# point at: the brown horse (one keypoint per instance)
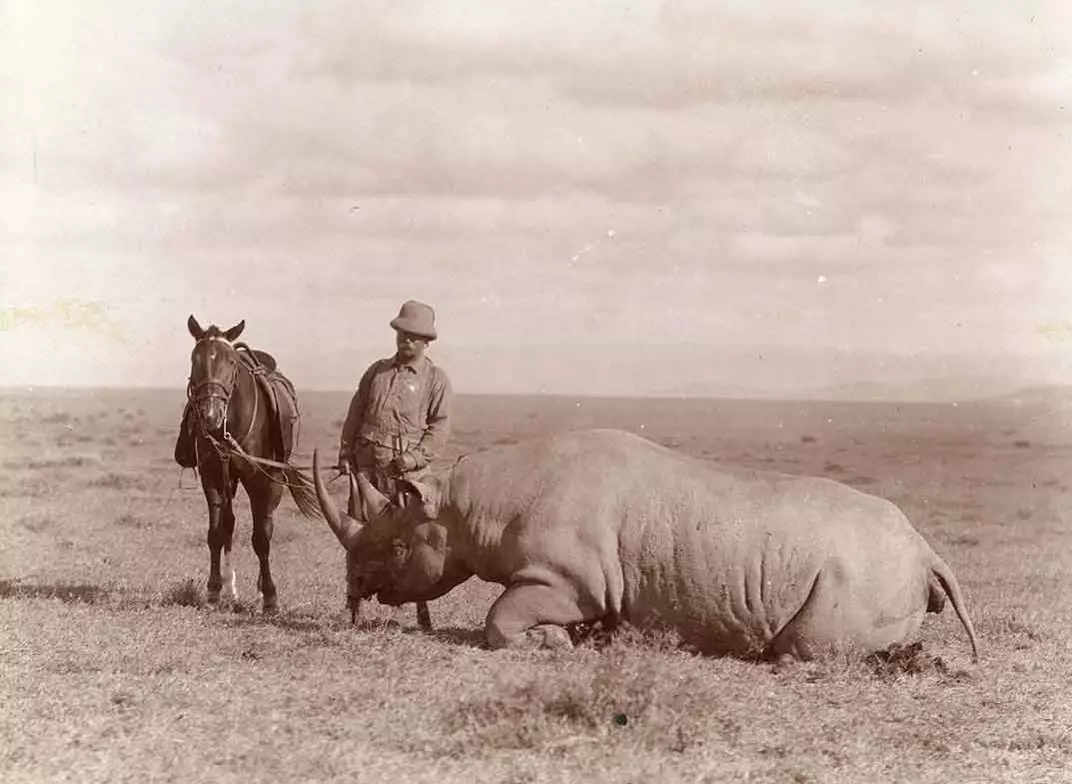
(240, 414)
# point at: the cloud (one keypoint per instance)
(676, 54)
(266, 160)
(421, 103)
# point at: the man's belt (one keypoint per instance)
(387, 440)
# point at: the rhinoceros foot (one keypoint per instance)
(542, 636)
(530, 615)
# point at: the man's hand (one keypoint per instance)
(403, 463)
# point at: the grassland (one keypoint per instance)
(111, 670)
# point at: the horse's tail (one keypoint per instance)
(302, 491)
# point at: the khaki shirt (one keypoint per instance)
(406, 404)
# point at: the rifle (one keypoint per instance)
(400, 496)
(351, 504)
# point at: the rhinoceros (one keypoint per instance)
(604, 526)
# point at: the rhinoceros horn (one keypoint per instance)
(345, 527)
(373, 502)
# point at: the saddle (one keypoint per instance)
(278, 389)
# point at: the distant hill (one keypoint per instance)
(947, 389)
(943, 389)
(1050, 397)
(1043, 413)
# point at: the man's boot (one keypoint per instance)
(185, 449)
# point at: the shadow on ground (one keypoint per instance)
(468, 638)
(15, 589)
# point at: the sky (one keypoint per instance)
(614, 198)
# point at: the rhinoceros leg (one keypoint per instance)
(424, 618)
(833, 618)
(531, 616)
(798, 639)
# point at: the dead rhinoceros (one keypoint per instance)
(605, 526)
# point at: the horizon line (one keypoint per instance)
(30, 388)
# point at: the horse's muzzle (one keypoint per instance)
(212, 412)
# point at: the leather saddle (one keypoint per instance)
(283, 400)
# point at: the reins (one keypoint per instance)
(236, 448)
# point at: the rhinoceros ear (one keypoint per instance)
(428, 494)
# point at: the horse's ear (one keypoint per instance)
(194, 327)
(235, 331)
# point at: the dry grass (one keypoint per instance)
(113, 669)
(185, 593)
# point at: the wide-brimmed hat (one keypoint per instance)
(416, 318)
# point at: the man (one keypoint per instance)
(399, 418)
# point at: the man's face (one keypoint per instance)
(410, 347)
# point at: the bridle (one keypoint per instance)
(222, 390)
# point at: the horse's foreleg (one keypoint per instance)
(219, 491)
(263, 525)
(215, 540)
(227, 524)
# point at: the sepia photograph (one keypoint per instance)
(531, 393)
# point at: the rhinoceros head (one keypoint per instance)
(420, 566)
(393, 552)
(367, 544)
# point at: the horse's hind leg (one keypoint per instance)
(263, 502)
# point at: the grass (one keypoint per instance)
(55, 461)
(116, 480)
(112, 668)
(186, 593)
(128, 520)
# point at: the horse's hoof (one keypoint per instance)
(270, 606)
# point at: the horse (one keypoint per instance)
(242, 414)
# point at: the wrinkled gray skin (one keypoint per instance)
(605, 526)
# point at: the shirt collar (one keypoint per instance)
(416, 366)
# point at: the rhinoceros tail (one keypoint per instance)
(951, 587)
